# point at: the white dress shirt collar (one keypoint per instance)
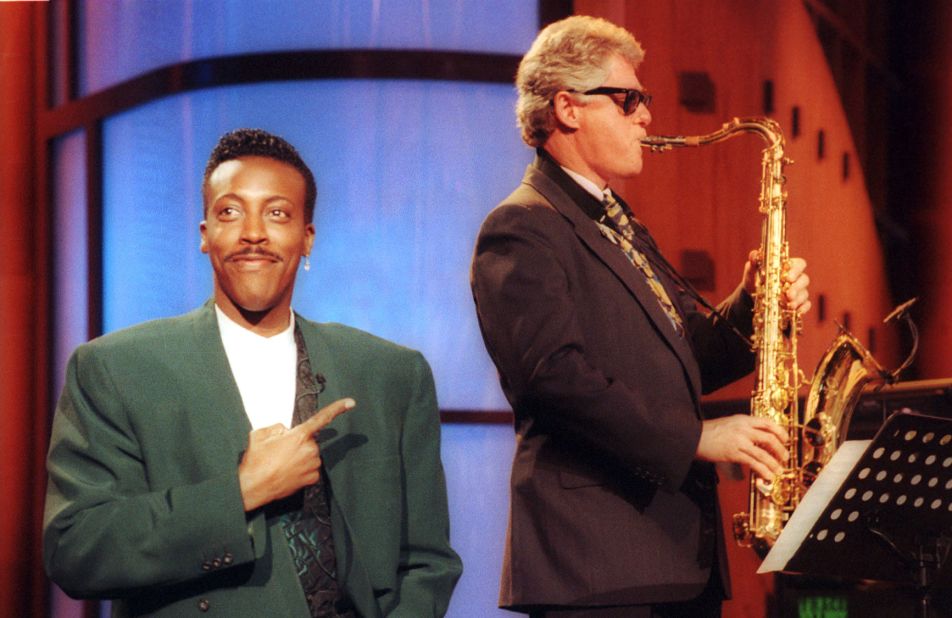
(588, 185)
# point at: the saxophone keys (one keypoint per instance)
(765, 488)
(778, 399)
(782, 491)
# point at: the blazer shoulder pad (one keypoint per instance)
(143, 334)
(352, 341)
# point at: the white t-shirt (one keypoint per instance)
(264, 369)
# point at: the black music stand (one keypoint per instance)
(886, 518)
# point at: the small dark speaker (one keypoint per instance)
(696, 92)
(768, 97)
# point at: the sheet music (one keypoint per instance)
(813, 504)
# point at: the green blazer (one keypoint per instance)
(143, 503)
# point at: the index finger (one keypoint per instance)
(325, 415)
(764, 424)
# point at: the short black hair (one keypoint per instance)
(259, 143)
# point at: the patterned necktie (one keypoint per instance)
(623, 235)
(307, 520)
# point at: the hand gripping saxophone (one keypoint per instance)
(841, 375)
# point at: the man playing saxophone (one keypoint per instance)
(603, 357)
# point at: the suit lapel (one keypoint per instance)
(327, 366)
(588, 232)
(209, 364)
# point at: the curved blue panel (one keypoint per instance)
(119, 39)
(406, 172)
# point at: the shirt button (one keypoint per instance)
(206, 566)
(216, 563)
(227, 559)
(203, 605)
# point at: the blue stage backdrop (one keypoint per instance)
(406, 171)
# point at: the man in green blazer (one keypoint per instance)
(189, 469)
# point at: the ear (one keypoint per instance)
(203, 230)
(566, 109)
(309, 238)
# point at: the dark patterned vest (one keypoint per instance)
(305, 515)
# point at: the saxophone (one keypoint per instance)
(843, 372)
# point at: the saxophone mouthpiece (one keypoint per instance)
(660, 143)
(654, 143)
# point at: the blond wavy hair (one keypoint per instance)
(570, 54)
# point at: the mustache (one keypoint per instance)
(256, 251)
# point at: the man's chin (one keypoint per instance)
(633, 170)
(252, 301)
(253, 305)
(255, 308)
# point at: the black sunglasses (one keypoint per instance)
(633, 98)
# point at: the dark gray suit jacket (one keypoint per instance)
(607, 506)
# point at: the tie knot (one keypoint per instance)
(616, 214)
(612, 207)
